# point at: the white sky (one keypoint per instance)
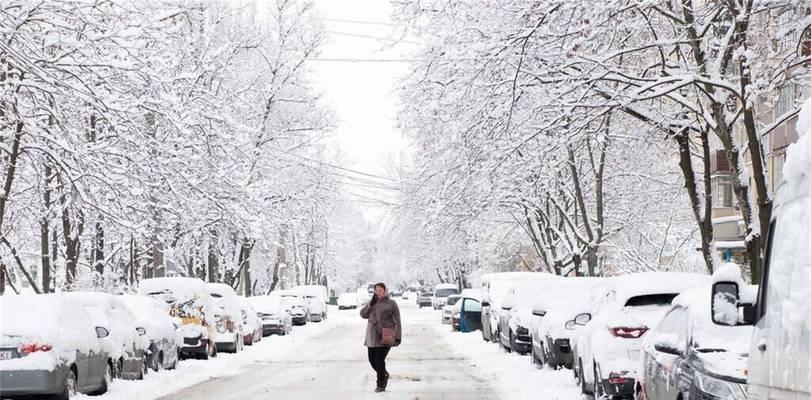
(361, 94)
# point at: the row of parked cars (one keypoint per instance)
(656, 335)
(61, 344)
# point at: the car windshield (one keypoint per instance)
(445, 292)
(663, 299)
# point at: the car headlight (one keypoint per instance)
(718, 388)
(522, 331)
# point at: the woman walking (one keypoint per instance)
(383, 331)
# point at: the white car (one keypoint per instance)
(297, 305)
(127, 343)
(229, 336)
(556, 317)
(515, 316)
(494, 287)
(348, 301)
(447, 309)
(275, 317)
(317, 299)
(608, 347)
(251, 322)
(441, 293)
(161, 330)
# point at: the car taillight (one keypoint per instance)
(33, 348)
(617, 379)
(628, 333)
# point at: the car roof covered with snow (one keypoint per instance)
(647, 283)
(175, 289)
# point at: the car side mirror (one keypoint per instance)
(102, 332)
(582, 319)
(663, 345)
(141, 331)
(570, 325)
(485, 303)
(724, 303)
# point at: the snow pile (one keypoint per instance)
(48, 319)
(644, 283)
(512, 375)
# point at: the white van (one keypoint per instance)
(441, 293)
(780, 352)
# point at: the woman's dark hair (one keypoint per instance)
(380, 284)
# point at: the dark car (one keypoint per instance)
(58, 334)
(687, 356)
(424, 299)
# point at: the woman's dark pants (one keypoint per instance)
(377, 357)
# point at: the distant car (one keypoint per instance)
(153, 317)
(188, 300)
(297, 305)
(441, 293)
(347, 301)
(229, 335)
(466, 315)
(447, 310)
(276, 318)
(608, 347)
(126, 343)
(424, 299)
(557, 317)
(687, 356)
(251, 323)
(317, 299)
(49, 345)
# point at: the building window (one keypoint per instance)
(777, 169)
(722, 195)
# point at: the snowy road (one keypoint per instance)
(333, 365)
(327, 360)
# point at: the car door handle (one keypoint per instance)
(761, 346)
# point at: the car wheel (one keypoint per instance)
(533, 360)
(639, 394)
(598, 384)
(582, 378)
(484, 337)
(70, 386)
(107, 379)
(159, 362)
(118, 370)
(144, 370)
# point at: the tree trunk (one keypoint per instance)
(98, 249)
(71, 232)
(11, 170)
(281, 258)
(213, 257)
(44, 232)
(704, 221)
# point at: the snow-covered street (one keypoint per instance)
(328, 361)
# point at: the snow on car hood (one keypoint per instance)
(724, 363)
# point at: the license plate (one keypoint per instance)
(6, 354)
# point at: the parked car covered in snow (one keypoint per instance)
(228, 315)
(188, 300)
(276, 318)
(494, 287)
(608, 347)
(441, 293)
(49, 345)
(557, 314)
(297, 305)
(447, 309)
(687, 356)
(515, 316)
(126, 344)
(160, 330)
(317, 299)
(424, 299)
(251, 322)
(347, 301)
(780, 348)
